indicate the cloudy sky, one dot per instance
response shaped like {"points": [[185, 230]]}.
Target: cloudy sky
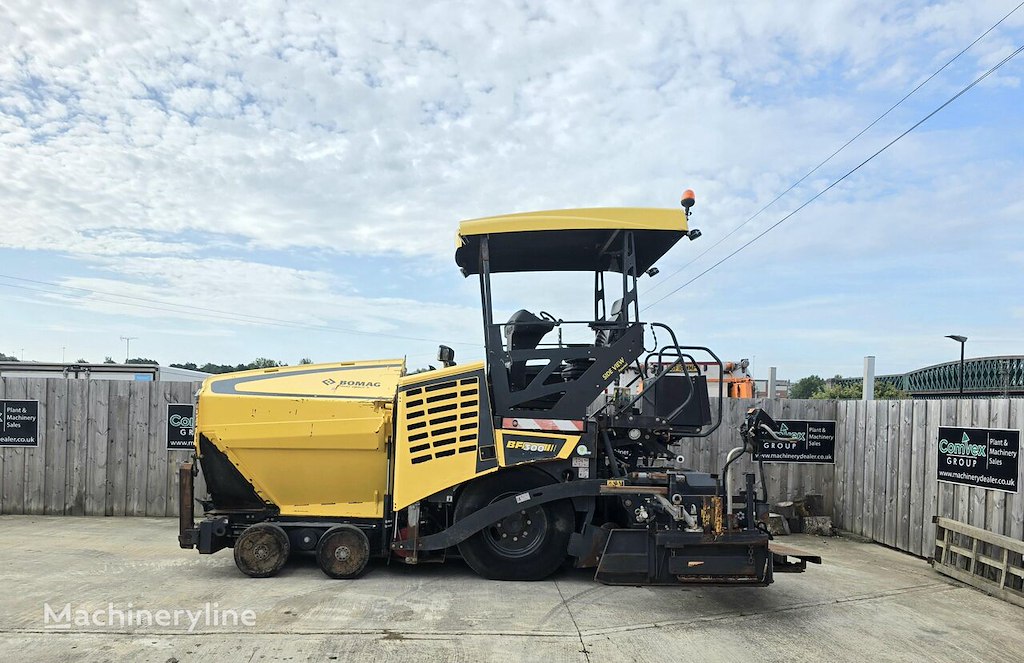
{"points": [[286, 181]]}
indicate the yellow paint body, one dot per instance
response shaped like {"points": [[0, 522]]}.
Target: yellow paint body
{"points": [[606, 218], [316, 440], [313, 440], [437, 442]]}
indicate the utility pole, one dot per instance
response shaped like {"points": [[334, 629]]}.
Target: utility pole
{"points": [[962, 340], [62, 349], [127, 346], [868, 391]]}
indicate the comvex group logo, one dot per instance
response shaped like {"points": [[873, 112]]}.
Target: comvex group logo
{"points": [[963, 448], [793, 435]]}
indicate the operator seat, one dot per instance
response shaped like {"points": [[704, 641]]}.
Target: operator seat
{"points": [[523, 331], [606, 337]]}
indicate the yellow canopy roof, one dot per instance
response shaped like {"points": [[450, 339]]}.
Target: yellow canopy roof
{"points": [[569, 240], [595, 218]]}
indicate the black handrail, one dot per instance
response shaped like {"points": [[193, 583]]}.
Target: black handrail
{"points": [[679, 352], [674, 349]]}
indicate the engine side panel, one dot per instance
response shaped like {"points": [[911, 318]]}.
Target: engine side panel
{"points": [[444, 433]]}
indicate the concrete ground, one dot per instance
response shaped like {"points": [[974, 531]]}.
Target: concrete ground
{"points": [[865, 603]]}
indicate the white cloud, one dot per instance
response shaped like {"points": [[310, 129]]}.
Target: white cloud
{"points": [[295, 127], [203, 147], [260, 295]]}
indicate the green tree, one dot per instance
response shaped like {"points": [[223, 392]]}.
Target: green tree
{"points": [[884, 391], [807, 387], [422, 370], [263, 362], [833, 392], [259, 362], [210, 367], [109, 360], [219, 368], [143, 360], [81, 361], [4, 357], [305, 360]]}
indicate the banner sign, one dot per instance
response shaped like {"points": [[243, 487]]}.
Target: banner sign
{"points": [[805, 442], [180, 426], [19, 423], [981, 457]]}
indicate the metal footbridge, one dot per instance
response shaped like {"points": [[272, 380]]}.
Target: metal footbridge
{"points": [[984, 377]]}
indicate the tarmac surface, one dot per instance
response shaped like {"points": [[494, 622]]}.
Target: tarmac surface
{"points": [[866, 602]]}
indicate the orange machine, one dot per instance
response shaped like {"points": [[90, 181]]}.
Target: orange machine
{"points": [[738, 383]]}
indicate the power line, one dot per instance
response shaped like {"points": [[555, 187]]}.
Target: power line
{"points": [[229, 317], [878, 119], [240, 318], [847, 174], [188, 307]]}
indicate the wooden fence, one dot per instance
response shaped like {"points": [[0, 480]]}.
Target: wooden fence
{"points": [[886, 485], [783, 480], [102, 451]]}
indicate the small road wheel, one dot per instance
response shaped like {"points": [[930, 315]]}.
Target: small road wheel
{"points": [[343, 552], [261, 550]]}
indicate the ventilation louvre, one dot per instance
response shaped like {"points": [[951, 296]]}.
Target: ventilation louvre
{"points": [[431, 421]]}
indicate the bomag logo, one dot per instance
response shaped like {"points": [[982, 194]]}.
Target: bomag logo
{"points": [[536, 447], [350, 383]]}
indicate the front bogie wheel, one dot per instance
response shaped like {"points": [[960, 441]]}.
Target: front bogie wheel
{"points": [[261, 550]]}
